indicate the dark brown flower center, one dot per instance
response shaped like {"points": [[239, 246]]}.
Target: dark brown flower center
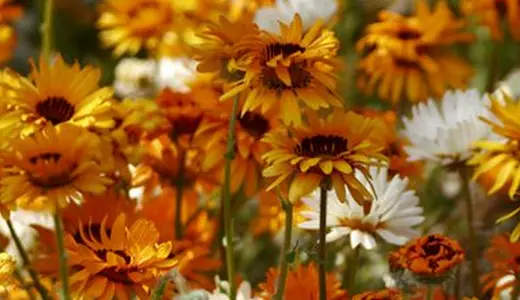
{"points": [[273, 50], [322, 145], [501, 7], [47, 156], [55, 109], [409, 34], [186, 125], [50, 181], [300, 78], [254, 124]]}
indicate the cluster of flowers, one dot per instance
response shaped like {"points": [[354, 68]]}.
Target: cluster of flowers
{"points": [[135, 191]]}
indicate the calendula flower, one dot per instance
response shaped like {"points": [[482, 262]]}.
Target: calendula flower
{"points": [[52, 168], [445, 132], [7, 270], [496, 15], [280, 70], [217, 53], [57, 93], [302, 283], [386, 294], [501, 155], [135, 78], [311, 11], [430, 258], [271, 216], [503, 255], [251, 128], [327, 148], [392, 214], [405, 56], [130, 26]]}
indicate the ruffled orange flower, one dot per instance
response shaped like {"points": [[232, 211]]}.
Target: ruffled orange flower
{"points": [[504, 257], [429, 258], [302, 157], [406, 56], [302, 284], [386, 294]]}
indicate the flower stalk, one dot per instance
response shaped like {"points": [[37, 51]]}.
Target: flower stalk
{"points": [[474, 259], [226, 201], [429, 292], [47, 29], [322, 254], [284, 263], [62, 257], [26, 262]]}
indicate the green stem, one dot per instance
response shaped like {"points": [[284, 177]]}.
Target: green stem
{"points": [[62, 257], [429, 292], [322, 275], [284, 264], [456, 287], [226, 199], [179, 184], [47, 29], [494, 67], [26, 262], [352, 270], [475, 273]]}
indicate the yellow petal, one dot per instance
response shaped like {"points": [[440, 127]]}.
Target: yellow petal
{"points": [[343, 167], [302, 185], [503, 176], [326, 167], [309, 163]]}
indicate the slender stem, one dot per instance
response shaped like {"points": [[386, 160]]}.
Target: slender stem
{"points": [[284, 263], [47, 29], [62, 257], [179, 184], [322, 244], [26, 262], [494, 66], [475, 274], [456, 285], [226, 199], [352, 270], [429, 292]]}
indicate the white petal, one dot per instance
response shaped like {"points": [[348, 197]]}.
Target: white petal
{"points": [[336, 233]]}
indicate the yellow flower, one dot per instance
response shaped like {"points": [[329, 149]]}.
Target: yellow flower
{"points": [[128, 26], [57, 93], [7, 270], [332, 148], [282, 70], [7, 42], [405, 56], [302, 284], [494, 14], [503, 157], [52, 168]]}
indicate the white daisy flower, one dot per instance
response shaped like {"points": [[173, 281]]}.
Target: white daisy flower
{"points": [[244, 291], [391, 216], [267, 18], [176, 73], [135, 78], [509, 86], [445, 132]]}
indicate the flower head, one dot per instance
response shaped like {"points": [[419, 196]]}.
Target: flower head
{"points": [[7, 270], [405, 56], [280, 70], [494, 14], [504, 257], [135, 78], [430, 258], [52, 168], [501, 156], [302, 283], [57, 93], [445, 133], [334, 148], [267, 17], [128, 26], [391, 215]]}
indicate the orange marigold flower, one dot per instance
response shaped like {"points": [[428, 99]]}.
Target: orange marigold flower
{"points": [[429, 258], [302, 284], [386, 294], [504, 257]]}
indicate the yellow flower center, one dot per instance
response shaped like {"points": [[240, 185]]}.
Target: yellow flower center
{"points": [[408, 34], [55, 109], [254, 124], [322, 145]]}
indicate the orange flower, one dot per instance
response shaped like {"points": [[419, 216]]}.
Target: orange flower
{"points": [[386, 294], [429, 258], [302, 284], [504, 257]]}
